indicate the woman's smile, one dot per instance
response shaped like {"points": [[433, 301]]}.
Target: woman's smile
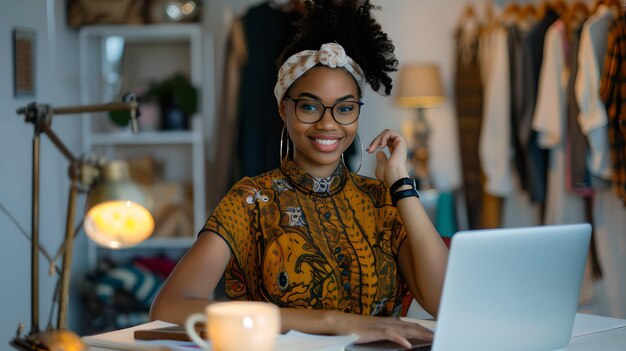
{"points": [[325, 143]]}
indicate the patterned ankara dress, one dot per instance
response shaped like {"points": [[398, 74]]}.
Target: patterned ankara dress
{"points": [[303, 242]]}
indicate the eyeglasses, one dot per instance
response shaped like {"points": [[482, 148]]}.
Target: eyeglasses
{"points": [[311, 111]]}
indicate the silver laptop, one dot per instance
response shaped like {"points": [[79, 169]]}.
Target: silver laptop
{"points": [[510, 289]]}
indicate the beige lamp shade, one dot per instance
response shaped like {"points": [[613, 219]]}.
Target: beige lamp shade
{"points": [[117, 209], [420, 86]]}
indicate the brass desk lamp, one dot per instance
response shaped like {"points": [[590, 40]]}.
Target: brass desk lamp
{"points": [[116, 216]]}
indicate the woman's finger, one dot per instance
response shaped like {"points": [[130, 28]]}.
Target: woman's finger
{"points": [[377, 142], [382, 333], [381, 163], [416, 331], [391, 335]]}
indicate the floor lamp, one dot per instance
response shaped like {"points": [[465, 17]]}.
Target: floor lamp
{"points": [[116, 216], [420, 88]]}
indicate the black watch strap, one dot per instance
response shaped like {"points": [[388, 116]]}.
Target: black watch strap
{"points": [[400, 182], [395, 197]]}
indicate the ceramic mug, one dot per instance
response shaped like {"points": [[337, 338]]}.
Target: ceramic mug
{"points": [[237, 325]]}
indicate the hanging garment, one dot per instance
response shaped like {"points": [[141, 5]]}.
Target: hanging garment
{"points": [[536, 157], [468, 92], [612, 92], [225, 168], [248, 127], [517, 209], [519, 80], [266, 31], [549, 121], [494, 141], [592, 117], [610, 221], [494, 144], [578, 178]]}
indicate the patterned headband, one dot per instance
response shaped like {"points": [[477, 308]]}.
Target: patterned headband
{"points": [[330, 54]]}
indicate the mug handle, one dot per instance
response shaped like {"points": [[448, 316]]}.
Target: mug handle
{"points": [[190, 324]]}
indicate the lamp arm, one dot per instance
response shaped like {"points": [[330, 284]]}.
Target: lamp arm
{"points": [[68, 110], [114, 106], [59, 144], [67, 255]]}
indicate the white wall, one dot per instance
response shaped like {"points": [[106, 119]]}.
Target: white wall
{"points": [[56, 83]]}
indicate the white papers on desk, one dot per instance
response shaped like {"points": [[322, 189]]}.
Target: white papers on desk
{"points": [[293, 340]]}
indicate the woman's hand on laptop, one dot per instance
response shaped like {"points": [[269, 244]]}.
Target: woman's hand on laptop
{"points": [[370, 328]]}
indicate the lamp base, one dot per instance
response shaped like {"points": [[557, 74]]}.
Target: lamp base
{"points": [[420, 154], [50, 340], [27, 344]]}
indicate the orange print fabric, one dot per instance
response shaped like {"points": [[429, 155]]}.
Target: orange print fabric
{"points": [[304, 242]]}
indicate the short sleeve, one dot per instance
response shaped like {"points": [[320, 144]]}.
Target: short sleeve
{"points": [[232, 217]]}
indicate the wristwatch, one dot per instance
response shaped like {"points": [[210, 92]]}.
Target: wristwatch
{"points": [[397, 195]]}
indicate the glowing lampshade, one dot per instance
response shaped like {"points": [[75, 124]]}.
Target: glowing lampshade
{"points": [[420, 86], [117, 210]]}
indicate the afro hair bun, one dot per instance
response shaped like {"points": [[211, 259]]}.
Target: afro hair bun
{"points": [[350, 24]]}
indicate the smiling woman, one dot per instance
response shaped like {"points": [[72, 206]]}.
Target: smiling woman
{"points": [[338, 252]]}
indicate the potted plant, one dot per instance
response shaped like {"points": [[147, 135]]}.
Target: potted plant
{"points": [[178, 101]]}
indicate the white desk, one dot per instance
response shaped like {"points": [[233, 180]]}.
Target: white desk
{"points": [[591, 333], [597, 333], [609, 340]]}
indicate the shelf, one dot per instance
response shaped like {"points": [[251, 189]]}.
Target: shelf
{"points": [[146, 138], [161, 243], [151, 52], [145, 33]]}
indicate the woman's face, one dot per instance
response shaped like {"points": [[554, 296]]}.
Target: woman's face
{"points": [[319, 145]]}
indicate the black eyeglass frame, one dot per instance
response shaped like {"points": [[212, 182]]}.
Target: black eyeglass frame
{"points": [[332, 110]]}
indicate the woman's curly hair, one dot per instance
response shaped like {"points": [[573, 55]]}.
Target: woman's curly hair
{"points": [[350, 24]]}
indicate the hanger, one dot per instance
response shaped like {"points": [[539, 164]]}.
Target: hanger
{"points": [[511, 13], [615, 5], [575, 14], [521, 15], [576, 9], [558, 6], [491, 20], [468, 20], [468, 13], [529, 11]]}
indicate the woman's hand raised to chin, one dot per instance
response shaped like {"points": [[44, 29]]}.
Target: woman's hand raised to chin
{"points": [[393, 168]]}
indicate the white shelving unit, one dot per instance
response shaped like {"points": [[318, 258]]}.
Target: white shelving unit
{"points": [[152, 53]]}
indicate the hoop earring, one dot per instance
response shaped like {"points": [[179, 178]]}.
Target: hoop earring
{"points": [[360, 154], [282, 138]]}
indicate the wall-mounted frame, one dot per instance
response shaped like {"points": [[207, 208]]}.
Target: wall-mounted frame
{"points": [[24, 62]]}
